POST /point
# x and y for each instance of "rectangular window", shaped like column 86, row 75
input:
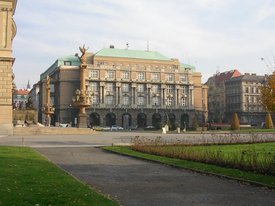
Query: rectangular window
column 170, row 77
column 109, row 87
column 140, row 88
column 155, row 76
column 140, row 100
column 126, row 100
column 67, row 63
column 169, row 88
column 125, row 87
column 95, row 100
column 183, row 78
column 94, row 74
column 141, row 76
column 169, row 101
column 109, row 100
column 156, row 101
column 155, row 88
column 125, row 75
column 94, row 86
column 110, row 74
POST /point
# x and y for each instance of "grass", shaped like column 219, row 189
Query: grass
column 252, row 157
column 27, row 178
column 255, row 178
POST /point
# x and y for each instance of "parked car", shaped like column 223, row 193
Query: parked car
column 115, row 127
column 97, row 128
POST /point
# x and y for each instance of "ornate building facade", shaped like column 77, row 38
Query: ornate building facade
column 128, row 88
column 7, row 33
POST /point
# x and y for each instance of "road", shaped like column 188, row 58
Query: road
column 141, row 183
column 109, row 138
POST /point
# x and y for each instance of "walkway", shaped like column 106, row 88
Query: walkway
column 140, row 183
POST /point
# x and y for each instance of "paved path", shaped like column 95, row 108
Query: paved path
column 109, row 138
column 138, row 183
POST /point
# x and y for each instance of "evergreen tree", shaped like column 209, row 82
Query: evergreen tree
column 235, row 124
column 268, row 121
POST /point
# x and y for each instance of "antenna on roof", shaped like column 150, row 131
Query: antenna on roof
column 147, row 45
column 127, row 46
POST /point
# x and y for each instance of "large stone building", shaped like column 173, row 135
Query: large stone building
column 127, row 88
column 243, row 96
column 216, row 95
column 7, row 33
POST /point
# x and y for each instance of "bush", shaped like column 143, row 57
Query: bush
column 235, row 124
column 268, row 121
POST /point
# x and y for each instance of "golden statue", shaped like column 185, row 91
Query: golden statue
column 83, row 56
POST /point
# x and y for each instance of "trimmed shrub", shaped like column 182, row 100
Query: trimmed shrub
column 235, row 124
column 268, row 121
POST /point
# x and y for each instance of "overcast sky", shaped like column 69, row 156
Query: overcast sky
column 213, row 35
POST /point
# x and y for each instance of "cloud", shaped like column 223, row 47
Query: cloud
column 203, row 32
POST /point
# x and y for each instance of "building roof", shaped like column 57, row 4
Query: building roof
column 74, row 60
column 221, row 77
column 134, row 54
column 187, row 67
column 21, row 92
column 250, row 78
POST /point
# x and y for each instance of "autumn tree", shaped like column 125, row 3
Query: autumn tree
column 268, row 93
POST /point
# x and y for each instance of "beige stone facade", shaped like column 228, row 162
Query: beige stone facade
column 7, row 33
column 129, row 88
column 243, row 95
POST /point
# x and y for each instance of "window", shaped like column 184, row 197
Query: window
column 141, row 76
column 67, row 63
column 95, row 99
column 94, row 74
column 155, row 76
column 169, row 101
column 125, row 75
column 140, row 88
column 156, row 101
column 183, row 78
column 109, row 100
column 94, row 87
column 126, row 100
column 182, row 101
column 169, row 88
column 155, row 88
column 170, row 77
column 140, row 100
column 246, row 89
column 109, row 87
column 125, row 87
column 110, row 74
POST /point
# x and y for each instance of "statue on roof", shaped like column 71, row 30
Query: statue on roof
column 83, row 50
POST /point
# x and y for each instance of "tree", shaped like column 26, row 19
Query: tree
column 235, row 124
column 268, row 121
column 268, row 93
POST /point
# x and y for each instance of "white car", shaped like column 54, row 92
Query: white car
column 115, row 127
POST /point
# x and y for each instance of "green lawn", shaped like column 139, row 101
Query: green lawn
column 27, row 178
column 267, row 180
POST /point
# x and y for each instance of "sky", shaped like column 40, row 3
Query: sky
column 212, row 35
